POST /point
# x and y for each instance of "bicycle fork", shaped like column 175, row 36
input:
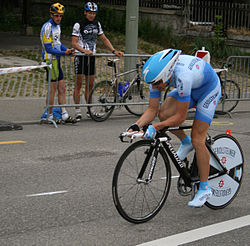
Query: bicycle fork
column 149, row 153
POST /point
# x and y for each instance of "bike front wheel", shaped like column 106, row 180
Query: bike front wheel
column 139, row 200
column 226, row 187
column 102, row 93
column 229, row 90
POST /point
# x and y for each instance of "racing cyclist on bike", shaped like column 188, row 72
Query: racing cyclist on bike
column 196, row 84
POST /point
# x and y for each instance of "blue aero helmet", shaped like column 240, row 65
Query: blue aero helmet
column 160, row 66
column 91, row 6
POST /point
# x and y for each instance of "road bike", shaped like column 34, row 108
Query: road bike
column 142, row 176
column 133, row 94
column 230, row 91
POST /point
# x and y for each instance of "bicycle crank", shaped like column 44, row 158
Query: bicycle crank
column 182, row 188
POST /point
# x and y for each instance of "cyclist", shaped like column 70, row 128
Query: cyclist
column 52, row 51
column 84, row 38
column 196, row 84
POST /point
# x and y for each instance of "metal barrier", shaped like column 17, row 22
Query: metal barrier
column 240, row 73
column 103, row 72
column 237, row 82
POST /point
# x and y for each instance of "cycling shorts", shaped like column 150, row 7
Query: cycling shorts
column 56, row 71
column 85, row 65
column 205, row 101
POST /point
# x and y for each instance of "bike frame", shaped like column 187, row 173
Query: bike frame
column 115, row 81
column 180, row 165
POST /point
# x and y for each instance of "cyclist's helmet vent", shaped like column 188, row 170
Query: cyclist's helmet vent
column 57, row 8
column 91, row 6
column 160, row 66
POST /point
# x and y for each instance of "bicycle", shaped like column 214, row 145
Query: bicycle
column 108, row 92
column 229, row 90
column 142, row 176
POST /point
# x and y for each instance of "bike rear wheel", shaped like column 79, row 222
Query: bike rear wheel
column 138, row 93
column 138, row 201
column 226, row 187
column 102, row 93
column 229, row 90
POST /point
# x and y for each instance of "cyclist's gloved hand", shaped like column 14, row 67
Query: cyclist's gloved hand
column 150, row 133
column 133, row 127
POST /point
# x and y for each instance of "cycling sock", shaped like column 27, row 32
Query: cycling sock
column 185, row 147
column 50, row 116
column 63, row 110
column 186, row 140
column 77, row 110
column 203, row 185
column 65, row 115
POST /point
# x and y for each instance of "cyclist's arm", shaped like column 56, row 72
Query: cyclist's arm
column 108, row 44
column 177, row 119
column 78, row 47
column 150, row 113
column 53, row 51
column 63, row 48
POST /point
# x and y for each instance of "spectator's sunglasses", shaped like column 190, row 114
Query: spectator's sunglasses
column 57, row 15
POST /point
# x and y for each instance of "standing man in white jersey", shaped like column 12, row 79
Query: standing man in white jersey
column 52, row 51
column 196, row 84
column 84, row 38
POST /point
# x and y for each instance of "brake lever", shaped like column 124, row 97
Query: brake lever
column 122, row 137
column 127, row 134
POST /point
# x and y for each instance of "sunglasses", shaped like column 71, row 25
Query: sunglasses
column 58, row 15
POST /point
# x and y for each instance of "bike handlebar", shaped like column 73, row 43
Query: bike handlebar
column 132, row 136
column 136, row 134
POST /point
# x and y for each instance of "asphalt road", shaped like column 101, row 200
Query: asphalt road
column 77, row 163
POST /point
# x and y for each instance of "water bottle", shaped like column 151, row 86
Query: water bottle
column 123, row 88
column 120, row 88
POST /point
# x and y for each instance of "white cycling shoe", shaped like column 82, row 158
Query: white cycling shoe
column 200, row 198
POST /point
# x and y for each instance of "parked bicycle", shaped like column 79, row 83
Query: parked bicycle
column 142, row 176
column 108, row 92
column 230, row 91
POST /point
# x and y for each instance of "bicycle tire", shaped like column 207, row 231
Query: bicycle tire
column 103, row 92
column 133, row 199
column 138, row 94
column 226, row 187
column 231, row 91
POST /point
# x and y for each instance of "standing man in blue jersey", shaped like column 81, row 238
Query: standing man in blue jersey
column 84, row 36
column 52, row 51
column 196, row 84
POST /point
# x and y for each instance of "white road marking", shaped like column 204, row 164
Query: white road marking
column 201, row 233
column 174, row 177
column 48, row 193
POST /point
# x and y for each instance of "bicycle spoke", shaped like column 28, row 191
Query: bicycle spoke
column 141, row 201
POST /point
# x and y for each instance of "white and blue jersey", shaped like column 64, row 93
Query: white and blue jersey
column 195, row 81
column 50, row 39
